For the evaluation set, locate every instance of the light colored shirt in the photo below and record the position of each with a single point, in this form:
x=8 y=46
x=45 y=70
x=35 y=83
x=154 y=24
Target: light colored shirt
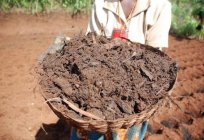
x=148 y=24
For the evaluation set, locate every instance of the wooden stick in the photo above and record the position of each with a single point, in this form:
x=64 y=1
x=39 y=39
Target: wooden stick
x=81 y=111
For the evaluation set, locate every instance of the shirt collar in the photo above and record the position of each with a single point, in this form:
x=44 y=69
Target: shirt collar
x=112 y=5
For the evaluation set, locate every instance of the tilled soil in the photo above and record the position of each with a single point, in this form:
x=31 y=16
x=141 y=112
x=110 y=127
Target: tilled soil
x=23 y=112
x=186 y=119
x=109 y=78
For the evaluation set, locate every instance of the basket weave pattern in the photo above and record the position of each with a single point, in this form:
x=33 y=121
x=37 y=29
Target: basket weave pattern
x=97 y=124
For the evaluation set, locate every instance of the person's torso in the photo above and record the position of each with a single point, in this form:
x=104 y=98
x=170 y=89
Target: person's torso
x=111 y=15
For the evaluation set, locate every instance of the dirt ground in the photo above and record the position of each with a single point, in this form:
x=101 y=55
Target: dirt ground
x=23 y=111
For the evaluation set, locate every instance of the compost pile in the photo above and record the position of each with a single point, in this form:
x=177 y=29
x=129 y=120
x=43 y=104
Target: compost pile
x=108 y=78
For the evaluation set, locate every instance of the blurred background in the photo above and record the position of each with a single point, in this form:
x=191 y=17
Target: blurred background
x=29 y=27
x=187 y=21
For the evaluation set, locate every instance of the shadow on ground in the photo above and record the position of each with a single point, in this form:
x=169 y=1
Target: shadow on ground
x=57 y=131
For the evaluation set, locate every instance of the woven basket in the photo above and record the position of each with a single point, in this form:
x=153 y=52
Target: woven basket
x=97 y=124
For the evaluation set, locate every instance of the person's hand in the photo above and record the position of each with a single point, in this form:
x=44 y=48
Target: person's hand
x=58 y=44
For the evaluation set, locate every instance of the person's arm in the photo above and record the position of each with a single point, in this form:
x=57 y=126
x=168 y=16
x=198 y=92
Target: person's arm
x=98 y=18
x=157 y=34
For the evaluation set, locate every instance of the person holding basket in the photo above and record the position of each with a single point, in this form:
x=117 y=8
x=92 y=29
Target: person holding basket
x=140 y=21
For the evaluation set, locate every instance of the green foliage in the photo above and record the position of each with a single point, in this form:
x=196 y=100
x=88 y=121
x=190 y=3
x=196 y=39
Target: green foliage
x=187 y=16
x=76 y=5
x=35 y=6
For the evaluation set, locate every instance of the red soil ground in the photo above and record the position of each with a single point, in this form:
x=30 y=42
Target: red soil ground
x=23 y=111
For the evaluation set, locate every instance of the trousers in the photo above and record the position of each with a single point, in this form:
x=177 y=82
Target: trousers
x=136 y=132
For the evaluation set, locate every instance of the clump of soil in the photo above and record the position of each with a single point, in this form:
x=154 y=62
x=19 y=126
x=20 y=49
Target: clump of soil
x=109 y=78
